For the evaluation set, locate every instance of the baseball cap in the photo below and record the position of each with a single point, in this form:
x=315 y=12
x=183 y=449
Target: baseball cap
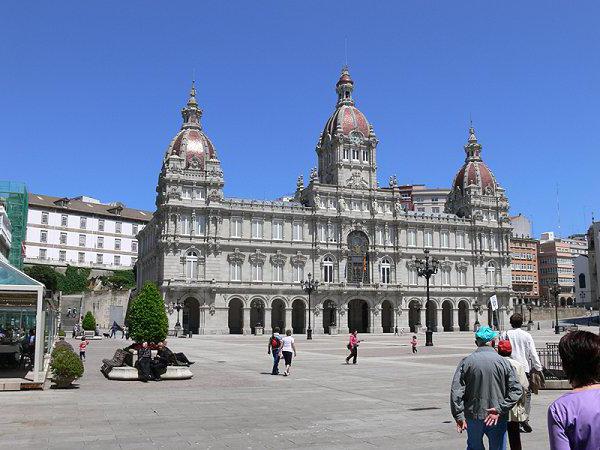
x=485 y=334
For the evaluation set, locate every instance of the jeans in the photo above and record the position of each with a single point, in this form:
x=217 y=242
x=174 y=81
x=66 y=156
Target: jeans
x=276 y=357
x=476 y=429
x=353 y=354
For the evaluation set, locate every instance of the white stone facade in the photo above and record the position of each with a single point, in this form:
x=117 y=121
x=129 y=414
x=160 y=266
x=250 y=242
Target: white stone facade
x=237 y=264
x=82 y=232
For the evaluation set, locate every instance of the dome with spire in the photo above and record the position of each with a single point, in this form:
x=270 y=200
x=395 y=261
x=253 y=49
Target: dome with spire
x=191 y=143
x=347 y=118
x=475 y=173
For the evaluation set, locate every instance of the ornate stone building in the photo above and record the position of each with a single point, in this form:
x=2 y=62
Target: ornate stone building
x=237 y=264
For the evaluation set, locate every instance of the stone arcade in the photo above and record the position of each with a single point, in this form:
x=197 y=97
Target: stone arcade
x=237 y=264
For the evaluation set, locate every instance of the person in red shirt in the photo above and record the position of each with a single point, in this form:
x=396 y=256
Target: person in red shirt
x=82 y=346
x=413 y=343
x=353 y=347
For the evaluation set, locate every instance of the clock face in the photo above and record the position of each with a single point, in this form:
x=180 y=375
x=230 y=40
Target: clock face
x=355 y=139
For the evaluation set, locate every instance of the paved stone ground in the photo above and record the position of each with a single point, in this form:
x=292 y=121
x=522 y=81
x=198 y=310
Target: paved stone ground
x=390 y=399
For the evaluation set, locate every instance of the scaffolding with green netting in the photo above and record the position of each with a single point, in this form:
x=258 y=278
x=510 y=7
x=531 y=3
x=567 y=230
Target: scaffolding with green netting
x=16 y=202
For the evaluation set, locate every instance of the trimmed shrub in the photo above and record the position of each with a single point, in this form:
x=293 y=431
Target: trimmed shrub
x=147 y=319
x=88 y=323
x=62 y=345
x=65 y=366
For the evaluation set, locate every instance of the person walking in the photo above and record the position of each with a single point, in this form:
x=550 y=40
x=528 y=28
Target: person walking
x=413 y=343
x=518 y=413
x=574 y=418
x=353 y=347
x=113 y=329
x=274 y=346
x=82 y=346
x=288 y=347
x=484 y=389
x=524 y=351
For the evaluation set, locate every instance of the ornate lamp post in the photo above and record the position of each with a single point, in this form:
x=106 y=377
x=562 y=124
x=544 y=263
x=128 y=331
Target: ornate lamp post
x=427 y=267
x=529 y=304
x=309 y=286
x=176 y=306
x=477 y=309
x=554 y=291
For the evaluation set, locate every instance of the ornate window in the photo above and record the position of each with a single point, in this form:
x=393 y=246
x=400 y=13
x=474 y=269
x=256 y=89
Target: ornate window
x=379 y=236
x=462 y=277
x=386 y=267
x=346 y=153
x=581 y=281
x=185 y=225
x=297 y=231
x=235 y=271
x=445 y=276
x=200 y=225
x=257 y=271
x=413 y=278
x=322 y=232
x=257 y=229
x=494 y=240
x=298 y=273
x=278 y=273
x=355 y=153
x=236 y=227
x=278 y=230
x=428 y=238
x=191 y=265
x=327 y=269
x=460 y=239
x=365 y=155
x=445 y=239
x=412 y=237
x=491 y=274
x=358 y=258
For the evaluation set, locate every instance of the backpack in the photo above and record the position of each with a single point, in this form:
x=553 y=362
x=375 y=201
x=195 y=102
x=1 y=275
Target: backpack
x=274 y=342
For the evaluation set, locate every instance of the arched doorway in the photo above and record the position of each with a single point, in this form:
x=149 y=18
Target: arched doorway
x=298 y=317
x=414 y=315
x=387 y=317
x=431 y=315
x=447 y=315
x=563 y=301
x=358 y=315
x=329 y=315
x=235 y=317
x=257 y=314
x=278 y=314
x=357 y=269
x=463 y=315
x=191 y=315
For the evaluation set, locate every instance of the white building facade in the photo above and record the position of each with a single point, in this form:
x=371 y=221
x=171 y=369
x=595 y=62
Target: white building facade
x=237 y=264
x=82 y=232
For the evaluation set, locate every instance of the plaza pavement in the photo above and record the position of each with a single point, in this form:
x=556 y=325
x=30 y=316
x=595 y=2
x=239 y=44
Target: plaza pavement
x=390 y=399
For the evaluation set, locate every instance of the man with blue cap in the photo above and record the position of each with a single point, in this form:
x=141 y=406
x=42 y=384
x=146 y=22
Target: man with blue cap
x=484 y=390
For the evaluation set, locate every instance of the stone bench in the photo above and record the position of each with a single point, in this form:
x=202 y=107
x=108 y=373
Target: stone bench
x=131 y=373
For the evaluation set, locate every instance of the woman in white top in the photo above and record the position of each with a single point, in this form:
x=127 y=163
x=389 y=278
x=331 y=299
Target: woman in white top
x=287 y=349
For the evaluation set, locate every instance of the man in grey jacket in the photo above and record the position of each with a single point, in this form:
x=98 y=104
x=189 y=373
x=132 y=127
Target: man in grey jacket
x=484 y=389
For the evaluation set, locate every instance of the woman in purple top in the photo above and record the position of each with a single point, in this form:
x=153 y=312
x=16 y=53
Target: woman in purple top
x=574 y=418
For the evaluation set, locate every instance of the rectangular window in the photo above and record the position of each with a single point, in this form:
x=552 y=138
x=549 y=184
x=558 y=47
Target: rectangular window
x=82 y=240
x=118 y=226
x=81 y=257
x=83 y=223
x=99 y=258
x=185 y=225
x=134 y=229
x=365 y=155
x=100 y=224
x=134 y=247
x=64 y=220
x=257 y=229
x=43 y=253
x=100 y=242
x=328 y=273
x=355 y=154
x=117 y=244
x=257 y=272
x=298 y=274
x=412 y=238
x=435 y=210
x=45 y=218
x=494 y=240
x=278 y=273
x=385 y=274
x=346 y=153
x=235 y=271
x=460 y=240
x=200 y=225
x=186 y=193
x=462 y=277
x=117 y=260
x=412 y=276
x=44 y=236
x=428 y=238
x=332 y=232
x=277 y=230
x=297 y=231
x=236 y=227
x=63 y=238
x=322 y=232
x=379 y=236
x=445 y=239
x=446 y=277
x=62 y=255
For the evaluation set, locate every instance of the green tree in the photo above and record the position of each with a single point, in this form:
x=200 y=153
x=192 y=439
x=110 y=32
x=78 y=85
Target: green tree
x=89 y=322
x=75 y=280
x=119 y=280
x=46 y=275
x=147 y=319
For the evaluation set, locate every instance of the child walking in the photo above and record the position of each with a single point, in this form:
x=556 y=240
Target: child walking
x=82 y=346
x=413 y=343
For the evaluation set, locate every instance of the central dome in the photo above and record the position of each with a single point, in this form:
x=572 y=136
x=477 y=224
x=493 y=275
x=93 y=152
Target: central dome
x=475 y=172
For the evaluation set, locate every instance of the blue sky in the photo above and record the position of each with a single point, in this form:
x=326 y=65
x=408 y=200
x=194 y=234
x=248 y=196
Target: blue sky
x=91 y=93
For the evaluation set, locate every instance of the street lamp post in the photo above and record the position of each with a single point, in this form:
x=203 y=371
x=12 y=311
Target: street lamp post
x=529 y=308
x=555 y=290
x=309 y=286
x=176 y=306
x=426 y=268
x=477 y=309
x=521 y=297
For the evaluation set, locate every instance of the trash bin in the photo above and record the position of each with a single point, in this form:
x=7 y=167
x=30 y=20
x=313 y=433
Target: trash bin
x=429 y=338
